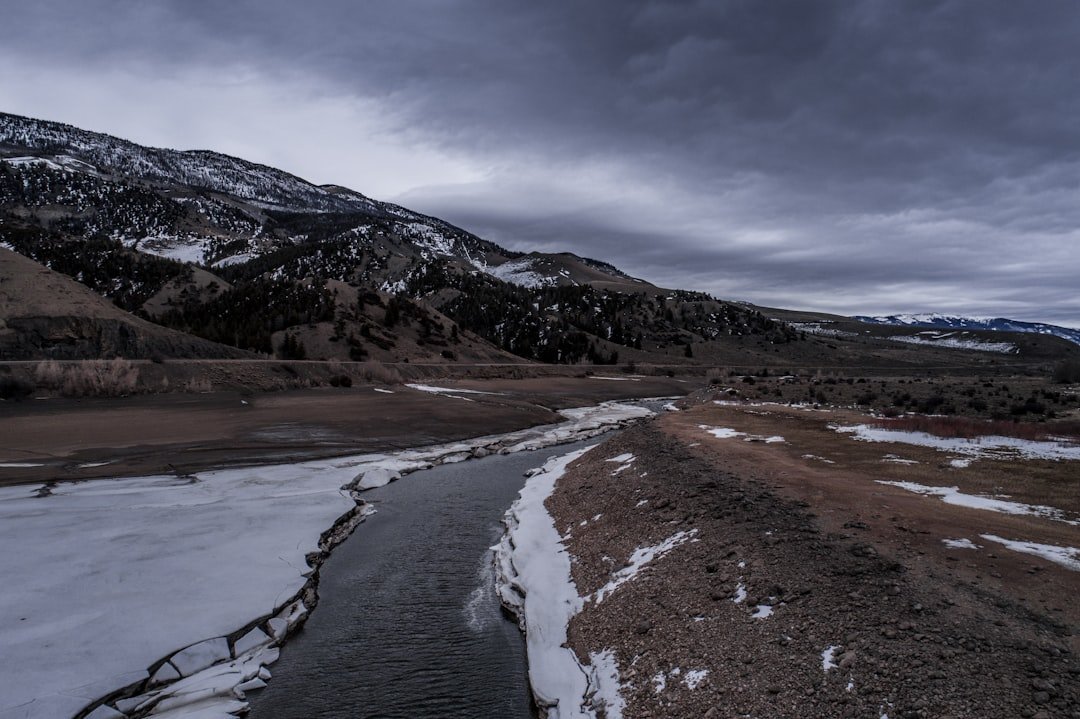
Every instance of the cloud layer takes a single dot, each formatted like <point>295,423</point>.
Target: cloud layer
<point>862,156</point>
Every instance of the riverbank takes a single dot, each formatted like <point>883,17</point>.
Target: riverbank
<point>182,569</point>
<point>62,439</point>
<point>751,560</point>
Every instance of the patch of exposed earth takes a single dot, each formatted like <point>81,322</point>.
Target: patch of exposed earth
<point>803,587</point>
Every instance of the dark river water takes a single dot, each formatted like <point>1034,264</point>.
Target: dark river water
<point>408,624</point>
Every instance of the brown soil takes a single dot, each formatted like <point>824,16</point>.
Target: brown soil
<point>922,630</point>
<point>188,432</point>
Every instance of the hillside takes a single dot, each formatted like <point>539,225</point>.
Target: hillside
<point>282,263</point>
<point>45,314</point>
<point>248,256</point>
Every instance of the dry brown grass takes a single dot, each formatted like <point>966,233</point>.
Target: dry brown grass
<point>970,428</point>
<point>198,385</point>
<point>377,372</point>
<point>88,378</point>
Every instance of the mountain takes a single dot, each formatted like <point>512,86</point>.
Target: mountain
<point>246,255</point>
<point>995,324</point>
<point>46,314</point>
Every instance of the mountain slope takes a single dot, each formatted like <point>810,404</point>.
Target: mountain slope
<point>281,257</point>
<point>47,315</point>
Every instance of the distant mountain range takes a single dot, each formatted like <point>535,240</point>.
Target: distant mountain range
<point>995,324</point>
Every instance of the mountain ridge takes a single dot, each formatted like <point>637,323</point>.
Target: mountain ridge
<point>112,214</point>
<point>994,324</point>
<point>262,261</point>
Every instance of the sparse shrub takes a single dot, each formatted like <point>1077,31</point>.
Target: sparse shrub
<point>198,385</point>
<point>15,388</point>
<point>90,378</point>
<point>49,374</point>
<point>378,372</point>
<point>970,428</point>
<point>1067,372</point>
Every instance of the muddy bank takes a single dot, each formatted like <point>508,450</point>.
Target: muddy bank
<point>63,439</point>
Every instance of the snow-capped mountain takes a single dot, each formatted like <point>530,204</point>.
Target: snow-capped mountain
<point>995,324</point>
<point>240,253</point>
<point>212,171</point>
<point>211,208</point>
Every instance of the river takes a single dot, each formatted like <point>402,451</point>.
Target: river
<point>408,624</point>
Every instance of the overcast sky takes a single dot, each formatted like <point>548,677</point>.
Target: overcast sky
<point>855,157</point>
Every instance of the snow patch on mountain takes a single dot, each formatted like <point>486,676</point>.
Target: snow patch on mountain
<point>956,340</point>
<point>258,184</point>
<point>519,272</point>
<point>995,324</point>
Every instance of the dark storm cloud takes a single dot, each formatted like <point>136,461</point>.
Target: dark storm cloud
<point>853,156</point>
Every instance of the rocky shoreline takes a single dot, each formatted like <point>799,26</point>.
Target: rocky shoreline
<point>763,610</point>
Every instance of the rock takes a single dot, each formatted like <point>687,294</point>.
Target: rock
<point>643,627</point>
<point>200,656</point>
<point>293,613</point>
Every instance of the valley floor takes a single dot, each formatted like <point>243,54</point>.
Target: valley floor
<point>748,559</point>
<point>61,439</point>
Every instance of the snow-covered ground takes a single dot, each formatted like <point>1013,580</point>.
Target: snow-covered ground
<point>729,433</point>
<point>953,495</point>
<point>445,390</point>
<point>533,573</point>
<point>535,583</point>
<point>988,447</point>
<point>1068,557</point>
<point>104,579</point>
